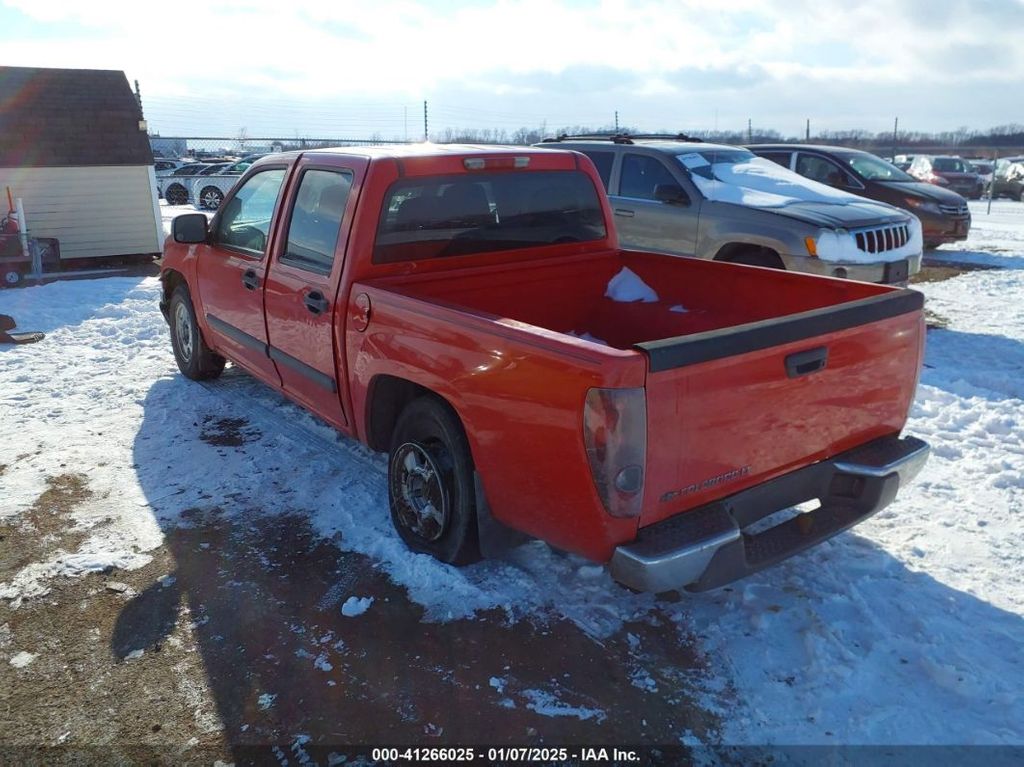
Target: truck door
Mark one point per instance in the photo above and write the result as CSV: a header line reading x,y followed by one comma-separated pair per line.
x,y
643,221
231,269
302,285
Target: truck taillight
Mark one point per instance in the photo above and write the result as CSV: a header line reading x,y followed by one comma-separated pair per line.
x,y
492,163
615,436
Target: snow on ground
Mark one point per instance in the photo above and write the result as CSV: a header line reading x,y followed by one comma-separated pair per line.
x,y
874,637
996,239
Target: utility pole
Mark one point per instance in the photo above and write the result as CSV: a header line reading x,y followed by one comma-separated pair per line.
x,y
426,133
895,139
808,132
616,120
405,121
750,131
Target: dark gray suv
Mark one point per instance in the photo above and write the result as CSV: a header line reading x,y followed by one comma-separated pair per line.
x,y
677,196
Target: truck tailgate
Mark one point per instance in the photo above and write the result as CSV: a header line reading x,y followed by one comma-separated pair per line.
x,y
735,407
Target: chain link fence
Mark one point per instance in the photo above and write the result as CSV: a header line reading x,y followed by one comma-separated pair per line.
x,y
200,170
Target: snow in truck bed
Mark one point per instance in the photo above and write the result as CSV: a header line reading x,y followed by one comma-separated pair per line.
x,y
907,629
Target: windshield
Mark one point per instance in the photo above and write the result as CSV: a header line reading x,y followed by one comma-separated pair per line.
x,y
741,177
876,169
950,165
440,216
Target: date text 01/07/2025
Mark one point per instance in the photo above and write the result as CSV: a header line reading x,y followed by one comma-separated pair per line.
x,y
526,754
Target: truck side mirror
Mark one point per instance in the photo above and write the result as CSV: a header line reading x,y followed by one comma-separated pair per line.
x,y
189,228
672,194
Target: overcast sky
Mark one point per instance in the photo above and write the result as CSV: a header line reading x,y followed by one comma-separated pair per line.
x,y
349,69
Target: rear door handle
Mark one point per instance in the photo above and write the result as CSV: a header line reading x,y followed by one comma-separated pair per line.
x,y
624,212
250,279
804,363
315,302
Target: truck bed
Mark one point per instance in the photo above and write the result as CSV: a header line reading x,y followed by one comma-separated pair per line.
x,y
568,295
750,373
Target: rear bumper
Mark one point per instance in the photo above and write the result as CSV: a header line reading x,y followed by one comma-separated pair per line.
x,y
707,547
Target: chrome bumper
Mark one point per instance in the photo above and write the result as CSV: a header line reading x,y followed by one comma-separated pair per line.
x,y
707,547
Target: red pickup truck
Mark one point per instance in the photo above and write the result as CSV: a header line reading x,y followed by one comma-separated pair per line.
x,y
469,310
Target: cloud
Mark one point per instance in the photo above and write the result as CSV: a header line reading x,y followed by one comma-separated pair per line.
x,y
532,57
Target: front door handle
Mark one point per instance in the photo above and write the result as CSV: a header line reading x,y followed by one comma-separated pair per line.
x,y
250,279
315,302
624,212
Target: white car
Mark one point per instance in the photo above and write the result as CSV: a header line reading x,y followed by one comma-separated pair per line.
x,y
208,192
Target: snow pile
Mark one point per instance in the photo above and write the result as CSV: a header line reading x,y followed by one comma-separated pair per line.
x,y
356,606
546,704
626,287
843,247
23,659
679,309
761,183
587,337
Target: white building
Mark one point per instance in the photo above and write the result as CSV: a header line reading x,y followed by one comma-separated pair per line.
x,y
74,148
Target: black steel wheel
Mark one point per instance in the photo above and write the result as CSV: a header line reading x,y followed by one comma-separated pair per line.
x,y
430,483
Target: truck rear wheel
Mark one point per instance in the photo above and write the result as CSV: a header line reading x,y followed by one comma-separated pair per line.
x,y
430,483
195,359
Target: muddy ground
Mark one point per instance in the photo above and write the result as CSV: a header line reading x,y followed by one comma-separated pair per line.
x,y
233,636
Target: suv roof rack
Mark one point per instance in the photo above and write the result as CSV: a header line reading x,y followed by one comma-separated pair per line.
x,y
622,138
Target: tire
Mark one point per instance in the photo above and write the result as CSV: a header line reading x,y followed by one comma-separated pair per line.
x,y
175,194
931,244
430,466
1020,195
211,197
195,359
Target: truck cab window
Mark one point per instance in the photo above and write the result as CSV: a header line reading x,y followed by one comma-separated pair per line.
x,y
245,221
316,219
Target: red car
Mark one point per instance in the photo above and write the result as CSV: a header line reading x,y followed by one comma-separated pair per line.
x,y
469,311
954,173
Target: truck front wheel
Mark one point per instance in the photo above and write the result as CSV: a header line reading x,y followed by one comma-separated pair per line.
x,y
430,483
195,359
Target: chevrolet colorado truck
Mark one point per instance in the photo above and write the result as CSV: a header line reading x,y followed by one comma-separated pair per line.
x,y
469,311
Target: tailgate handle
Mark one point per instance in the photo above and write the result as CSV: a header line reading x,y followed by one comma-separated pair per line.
x,y
804,363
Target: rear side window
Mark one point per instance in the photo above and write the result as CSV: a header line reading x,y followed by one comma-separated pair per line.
x,y
640,174
440,216
603,161
779,158
316,219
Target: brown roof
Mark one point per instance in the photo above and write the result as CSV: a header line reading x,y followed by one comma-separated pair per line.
x,y
61,117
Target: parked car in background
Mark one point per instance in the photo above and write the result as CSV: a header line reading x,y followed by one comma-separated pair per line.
x,y
903,161
176,188
164,167
948,171
208,192
726,204
984,170
1008,178
470,312
944,214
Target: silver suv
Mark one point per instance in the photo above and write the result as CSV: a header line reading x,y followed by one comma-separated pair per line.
x,y
679,196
